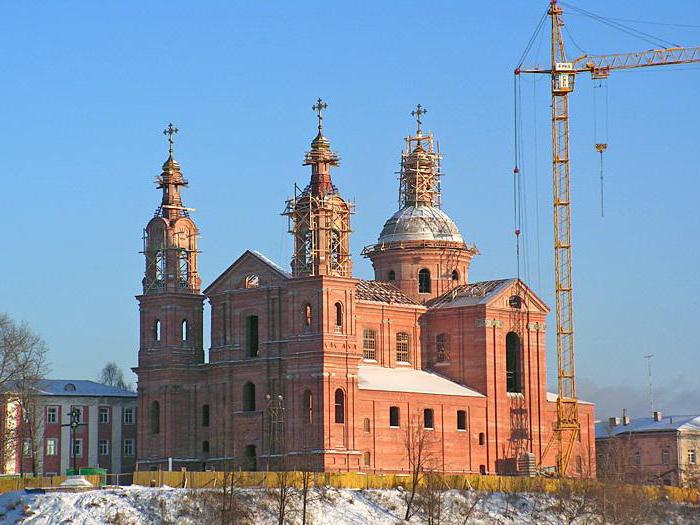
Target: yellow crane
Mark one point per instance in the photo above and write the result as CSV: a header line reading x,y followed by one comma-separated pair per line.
x,y
563,76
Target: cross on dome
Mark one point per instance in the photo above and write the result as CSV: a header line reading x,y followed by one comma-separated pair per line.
x,y
170,131
318,108
418,113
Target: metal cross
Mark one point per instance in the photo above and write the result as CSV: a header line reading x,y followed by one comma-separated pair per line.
x,y
74,423
418,113
170,131
318,108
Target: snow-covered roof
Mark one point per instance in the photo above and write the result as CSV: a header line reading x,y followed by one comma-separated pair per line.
x,y
79,388
382,292
648,424
410,380
470,294
553,396
270,262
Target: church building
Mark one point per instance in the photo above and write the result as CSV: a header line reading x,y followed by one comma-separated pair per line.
x,y
316,368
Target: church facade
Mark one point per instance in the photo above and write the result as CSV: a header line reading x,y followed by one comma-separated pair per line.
x,y
316,368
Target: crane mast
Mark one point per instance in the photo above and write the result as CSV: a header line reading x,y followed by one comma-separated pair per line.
x,y
563,76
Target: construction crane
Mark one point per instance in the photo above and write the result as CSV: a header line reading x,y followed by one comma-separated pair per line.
x,y
563,77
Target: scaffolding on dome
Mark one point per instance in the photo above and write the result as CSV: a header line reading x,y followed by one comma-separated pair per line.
x,y
320,225
420,173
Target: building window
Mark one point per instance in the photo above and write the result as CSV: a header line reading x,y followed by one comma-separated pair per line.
x,y
51,415
461,420
226,322
205,415
183,330
392,276
104,415
428,418
365,424
339,406
156,330
338,317
368,459
482,438
369,344
27,448
51,446
513,372
307,318
424,281
252,281
455,275
128,416
692,459
402,350
394,417
308,408
249,397
77,448
252,335
441,354
637,459
128,447
155,417
103,447
251,462
665,456
205,447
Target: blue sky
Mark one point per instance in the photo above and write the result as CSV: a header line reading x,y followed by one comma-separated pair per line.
x,y
88,87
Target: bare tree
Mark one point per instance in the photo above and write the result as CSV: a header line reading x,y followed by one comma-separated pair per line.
x,y
23,364
431,497
112,375
417,443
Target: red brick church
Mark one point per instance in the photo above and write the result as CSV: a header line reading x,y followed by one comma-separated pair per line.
x,y
319,366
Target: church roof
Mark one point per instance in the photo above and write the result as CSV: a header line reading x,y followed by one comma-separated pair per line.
x,y
410,380
470,294
420,223
381,292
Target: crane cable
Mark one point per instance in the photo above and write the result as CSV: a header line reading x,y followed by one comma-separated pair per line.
x,y
601,143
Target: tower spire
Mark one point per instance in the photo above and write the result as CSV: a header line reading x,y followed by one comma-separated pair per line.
x,y
420,167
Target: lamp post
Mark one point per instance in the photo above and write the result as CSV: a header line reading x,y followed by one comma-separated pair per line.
x,y
74,423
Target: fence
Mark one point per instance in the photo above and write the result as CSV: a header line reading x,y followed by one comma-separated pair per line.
x,y
353,480
10,484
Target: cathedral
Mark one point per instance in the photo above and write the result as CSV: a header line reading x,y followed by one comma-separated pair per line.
x,y
312,367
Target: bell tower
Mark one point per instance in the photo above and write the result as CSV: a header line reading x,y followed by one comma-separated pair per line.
x,y
319,218
171,305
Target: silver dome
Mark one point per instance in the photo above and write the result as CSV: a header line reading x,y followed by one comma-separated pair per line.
x,y
420,223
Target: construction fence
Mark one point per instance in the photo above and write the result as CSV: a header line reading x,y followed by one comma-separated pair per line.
x,y
14,483
353,480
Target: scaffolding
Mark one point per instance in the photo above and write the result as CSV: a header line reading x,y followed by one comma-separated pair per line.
x,y
419,177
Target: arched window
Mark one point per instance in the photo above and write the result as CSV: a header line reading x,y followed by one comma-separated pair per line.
x,y
251,462
205,415
392,276
252,335
307,318
369,344
424,281
205,446
368,459
308,413
365,425
513,370
441,350
339,406
338,317
156,330
249,397
403,354
461,420
394,417
155,417
482,438
455,275
183,330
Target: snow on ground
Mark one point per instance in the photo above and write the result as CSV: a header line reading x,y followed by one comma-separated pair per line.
x,y
165,506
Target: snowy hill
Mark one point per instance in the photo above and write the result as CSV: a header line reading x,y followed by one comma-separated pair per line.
x,y
161,506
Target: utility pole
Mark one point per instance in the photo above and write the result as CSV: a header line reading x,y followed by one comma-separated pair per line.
x,y
651,389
